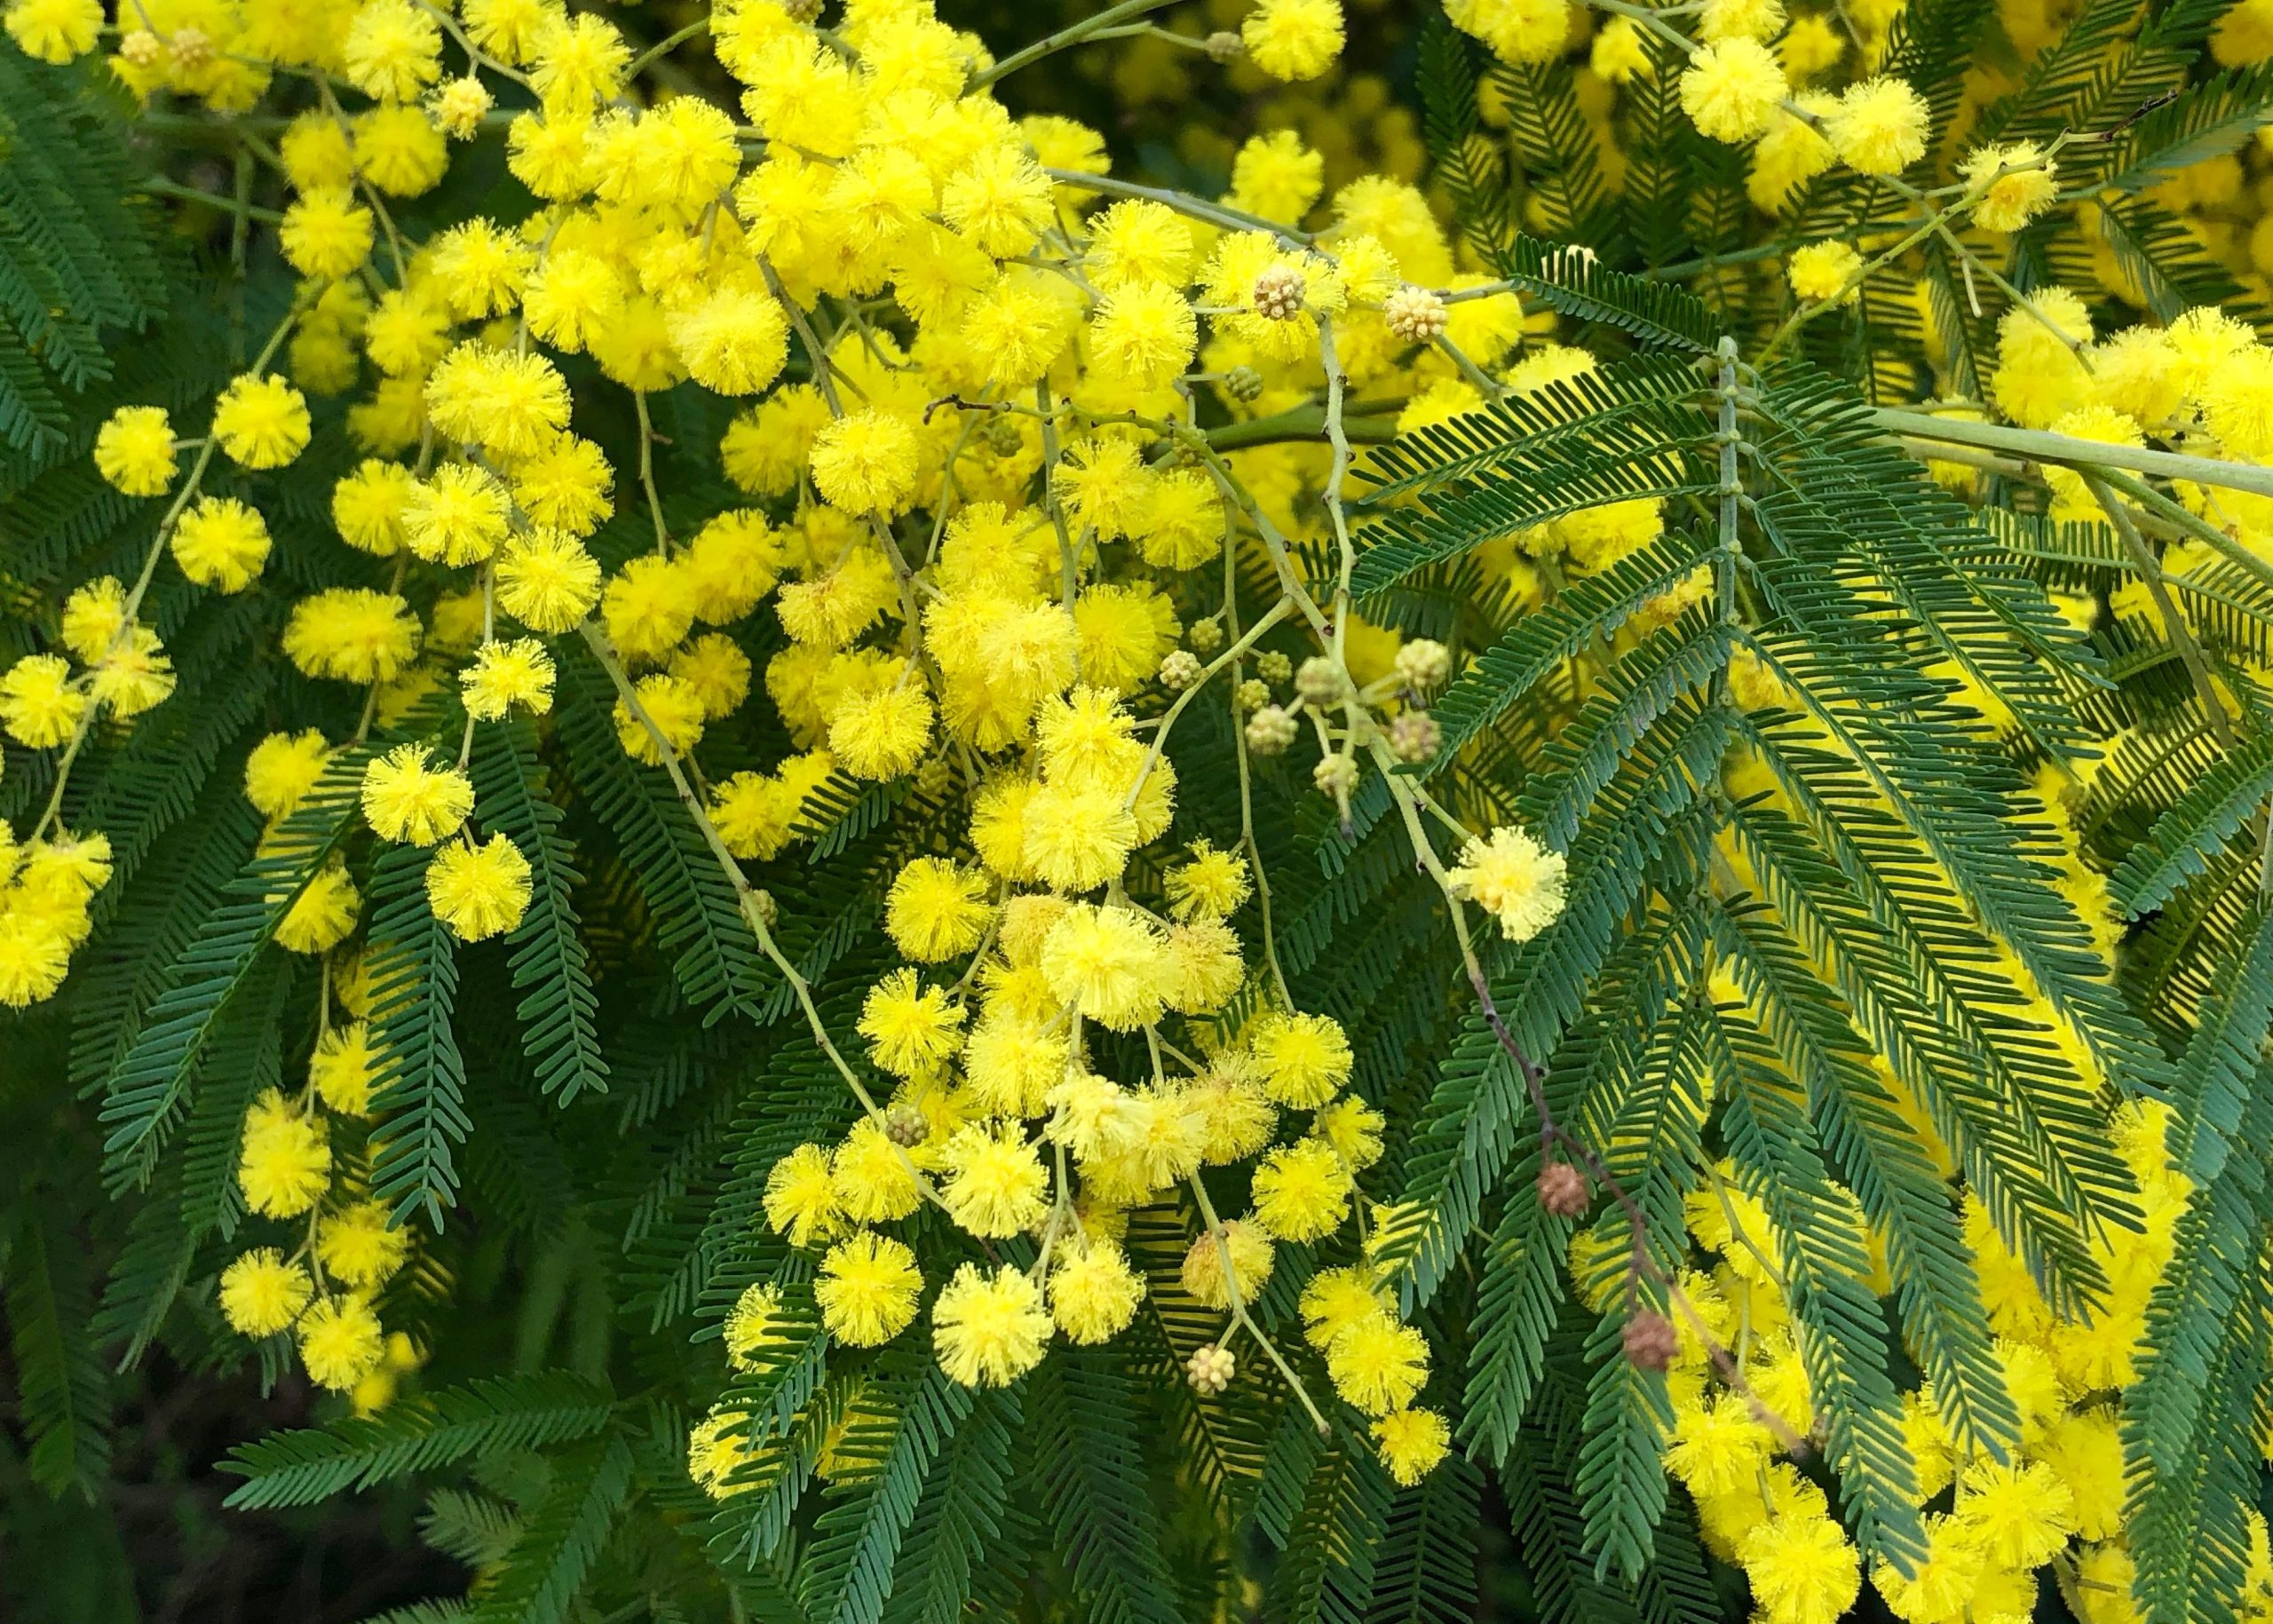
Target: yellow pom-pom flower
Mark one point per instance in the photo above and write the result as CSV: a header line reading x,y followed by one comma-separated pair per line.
x,y
262,1293
1514,879
989,1329
284,1163
1093,1292
358,1246
1294,39
1880,126
1411,1442
1301,1191
479,890
221,542
995,1184
866,1289
261,421
340,1342
801,1201
407,799
134,450
1731,88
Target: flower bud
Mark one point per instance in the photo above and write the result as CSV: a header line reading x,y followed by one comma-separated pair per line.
x,y
1210,1369
1270,731
1649,1340
1414,736
1415,313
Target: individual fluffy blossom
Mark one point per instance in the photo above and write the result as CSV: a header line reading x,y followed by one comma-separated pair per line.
x,y
1075,839
733,341
367,506
352,634
392,52
715,668
2014,1515
38,706
936,910
326,232
282,768
1517,30
867,462
261,421
1143,335
572,297
1514,879
2016,184
912,1029
1206,1280
262,1293
340,1342
2038,376
1139,240
1179,523
94,618
323,914
1301,1191
989,1329
406,798
221,542
1378,1365
284,1161
649,608
1731,90
1303,1060
1204,967
1209,884
575,62
994,1183
1111,963
566,486
800,1196
35,954
479,267
662,712
1294,39
1411,1442
734,561
342,1067
867,1289
1880,126
359,1248
755,1322
547,581
882,736
1820,271
478,892
999,202
53,30
1802,1568
134,450
460,515
503,675
133,675
510,404
458,106
1336,1299
875,1181
1093,1292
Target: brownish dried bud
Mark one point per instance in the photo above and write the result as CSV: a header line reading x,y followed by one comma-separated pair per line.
x,y
1649,1340
1562,1190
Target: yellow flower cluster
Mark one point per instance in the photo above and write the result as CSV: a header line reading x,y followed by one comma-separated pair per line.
x,y
964,368
1742,1410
